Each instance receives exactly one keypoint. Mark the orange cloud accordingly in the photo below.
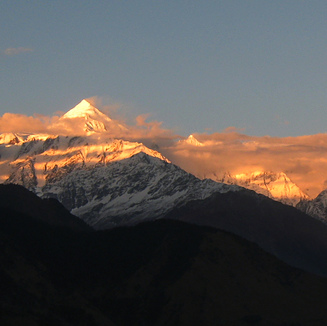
(11, 122)
(303, 159)
(107, 105)
(151, 128)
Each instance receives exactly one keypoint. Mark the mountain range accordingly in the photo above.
(274, 185)
(93, 226)
(50, 165)
(105, 181)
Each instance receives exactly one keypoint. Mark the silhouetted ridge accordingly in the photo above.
(21, 200)
(157, 273)
(279, 229)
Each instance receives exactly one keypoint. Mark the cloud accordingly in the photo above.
(150, 128)
(303, 159)
(233, 129)
(11, 122)
(107, 105)
(14, 51)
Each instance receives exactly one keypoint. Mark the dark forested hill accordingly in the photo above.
(164, 272)
(282, 230)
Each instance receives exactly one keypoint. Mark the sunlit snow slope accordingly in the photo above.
(277, 186)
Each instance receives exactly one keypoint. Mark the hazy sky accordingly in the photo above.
(198, 66)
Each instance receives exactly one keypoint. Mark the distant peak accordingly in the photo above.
(90, 119)
(85, 109)
(193, 141)
(85, 104)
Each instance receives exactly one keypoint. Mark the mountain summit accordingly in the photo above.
(91, 119)
(85, 109)
(193, 141)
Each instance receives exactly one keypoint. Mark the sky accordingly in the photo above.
(196, 66)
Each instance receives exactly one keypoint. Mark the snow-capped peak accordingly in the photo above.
(193, 141)
(92, 118)
(85, 109)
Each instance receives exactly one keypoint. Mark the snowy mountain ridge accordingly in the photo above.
(129, 191)
(40, 159)
(316, 207)
(274, 185)
(84, 110)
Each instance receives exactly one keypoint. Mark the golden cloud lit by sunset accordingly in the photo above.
(302, 158)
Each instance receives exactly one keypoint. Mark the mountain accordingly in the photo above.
(87, 117)
(126, 186)
(192, 141)
(128, 191)
(10, 138)
(50, 211)
(162, 272)
(274, 185)
(108, 181)
(105, 181)
(316, 207)
(39, 159)
(279, 229)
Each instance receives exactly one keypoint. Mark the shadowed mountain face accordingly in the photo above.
(19, 199)
(279, 229)
(157, 273)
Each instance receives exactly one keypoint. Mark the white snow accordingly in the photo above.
(93, 120)
(276, 185)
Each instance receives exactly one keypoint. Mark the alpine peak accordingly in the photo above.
(94, 119)
(193, 141)
(85, 109)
